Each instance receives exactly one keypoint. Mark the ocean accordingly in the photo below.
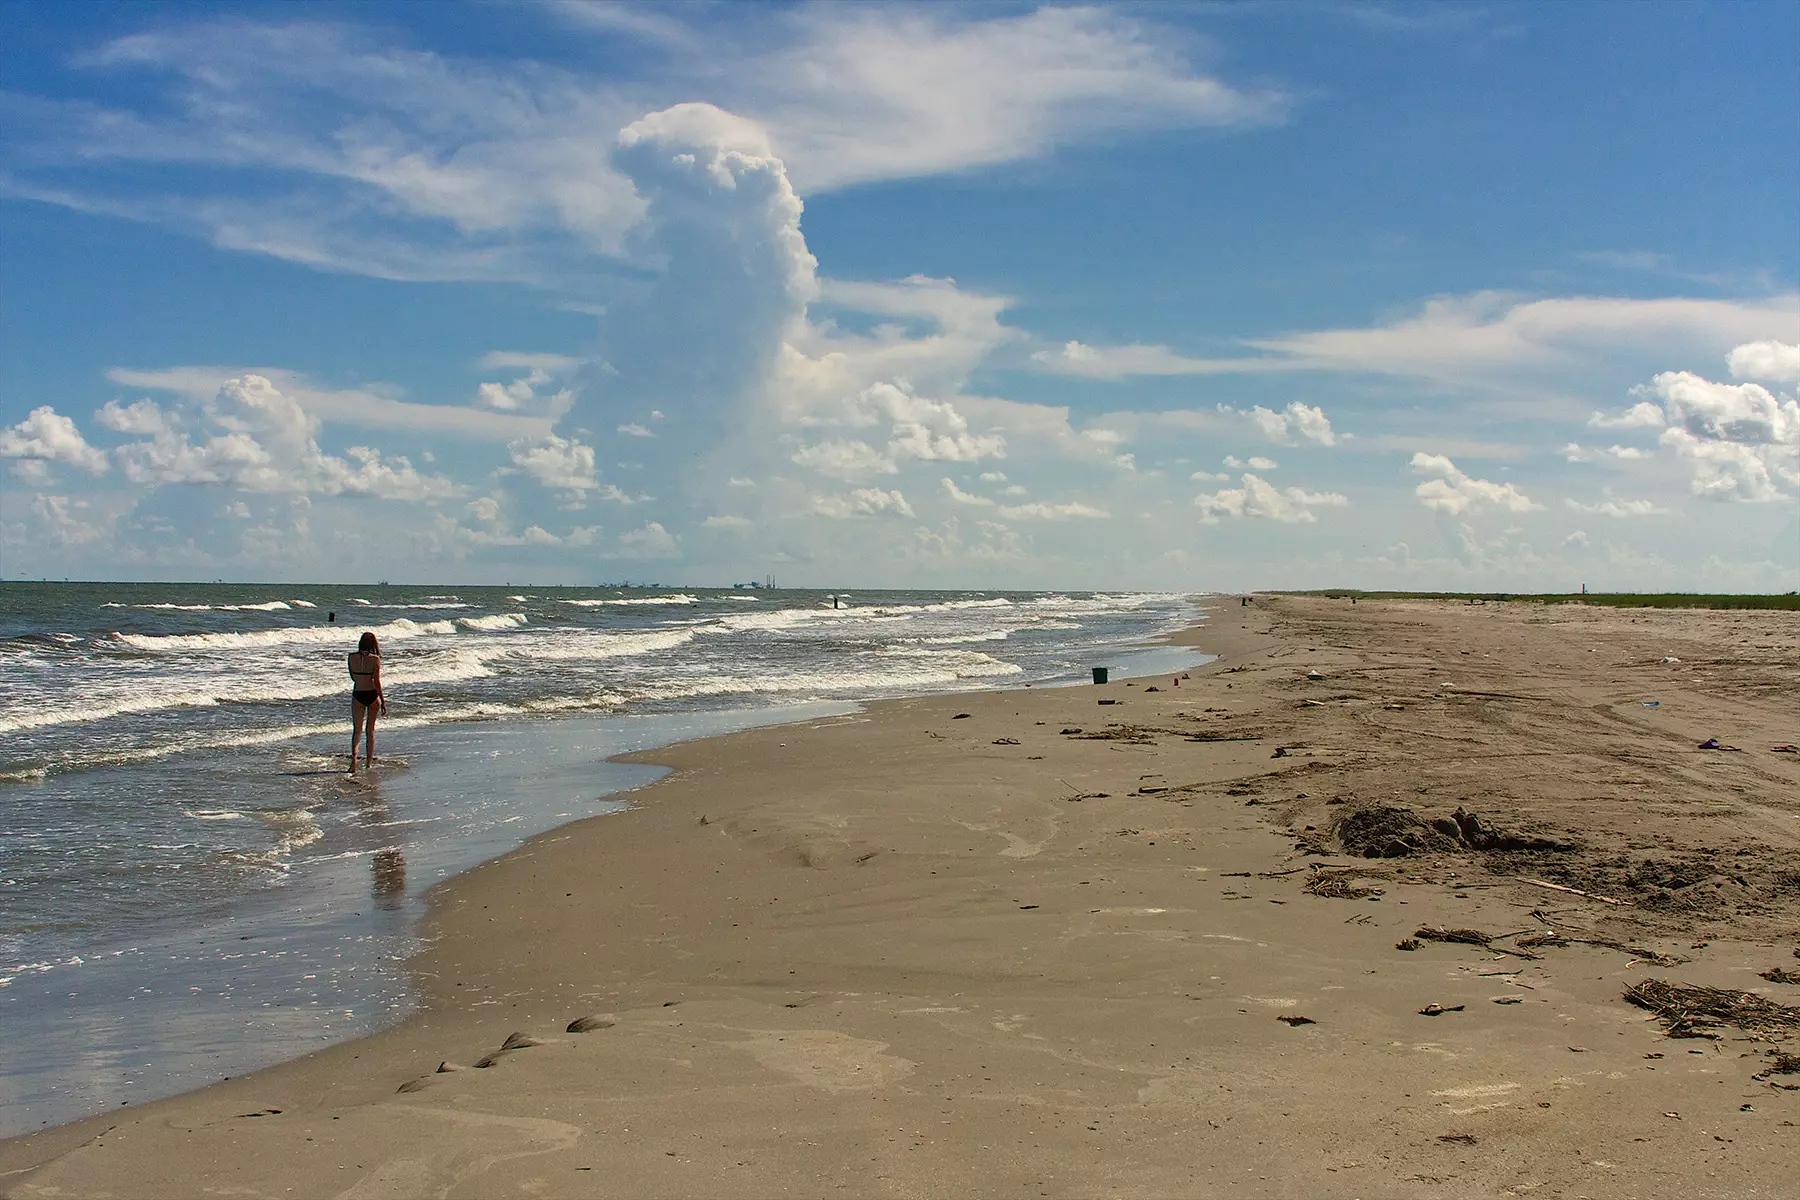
(191, 887)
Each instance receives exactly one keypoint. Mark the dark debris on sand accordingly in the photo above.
(1694, 1012)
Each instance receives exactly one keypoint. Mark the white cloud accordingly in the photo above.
(1478, 337)
(725, 522)
(46, 436)
(557, 462)
(1740, 440)
(1575, 452)
(1619, 508)
(863, 502)
(1730, 470)
(1119, 362)
(394, 161)
(919, 429)
(485, 510)
(1296, 421)
(142, 417)
(1258, 498)
(1642, 415)
(1734, 412)
(1452, 491)
(867, 93)
(1256, 463)
(1071, 510)
(847, 460)
(633, 430)
(1481, 338)
(1210, 476)
(1775, 361)
(60, 517)
(961, 497)
(365, 407)
(267, 443)
(549, 364)
(651, 541)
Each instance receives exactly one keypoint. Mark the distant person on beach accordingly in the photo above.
(366, 699)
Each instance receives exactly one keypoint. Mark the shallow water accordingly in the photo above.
(191, 886)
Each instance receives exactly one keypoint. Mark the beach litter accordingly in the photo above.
(1337, 885)
(1468, 937)
(1784, 1064)
(1780, 975)
(1694, 1012)
(1461, 1139)
(1292, 1020)
(1006, 741)
(1438, 1010)
(1716, 744)
(1787, 750)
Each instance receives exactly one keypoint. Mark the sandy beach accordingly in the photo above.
(1140, 939)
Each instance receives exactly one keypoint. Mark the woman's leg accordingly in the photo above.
(369, 725)
(358, 712)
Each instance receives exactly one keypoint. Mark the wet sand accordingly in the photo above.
(914, 953)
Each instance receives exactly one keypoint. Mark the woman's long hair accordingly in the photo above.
(368, 645)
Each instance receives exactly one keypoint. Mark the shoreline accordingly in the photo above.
(236, 993)
(898, 946)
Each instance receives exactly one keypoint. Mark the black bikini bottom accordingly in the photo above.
(366, 699)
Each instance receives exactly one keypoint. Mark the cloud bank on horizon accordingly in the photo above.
(748, 397)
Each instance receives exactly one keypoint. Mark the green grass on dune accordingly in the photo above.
(1789, 600)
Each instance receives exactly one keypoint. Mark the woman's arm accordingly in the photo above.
(380, 698)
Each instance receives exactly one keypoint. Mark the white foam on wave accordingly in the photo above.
(490, 624)
(992, 635)
(678, 598)
(212, 814)
(781, 618)
(580, 645)
(268, 606)
(433, 606)
(285, 681)
(291, 635)
(883, 672)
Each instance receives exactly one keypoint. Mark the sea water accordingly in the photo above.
(190, 884)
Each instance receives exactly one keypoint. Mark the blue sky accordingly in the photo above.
(1183, 296)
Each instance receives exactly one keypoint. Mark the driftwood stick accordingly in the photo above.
(1561, 887)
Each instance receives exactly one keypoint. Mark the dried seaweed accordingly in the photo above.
(1472, 937)
(1338, 885)
(1780, 975)
(1784, 1064)
(1694, 1012)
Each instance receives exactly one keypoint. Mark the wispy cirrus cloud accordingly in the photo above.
(332, 144)
(1477, 338)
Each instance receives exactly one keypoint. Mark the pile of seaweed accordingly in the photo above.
(1694, 1012)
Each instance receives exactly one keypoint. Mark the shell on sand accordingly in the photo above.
(595, 1021)
(519, 1041)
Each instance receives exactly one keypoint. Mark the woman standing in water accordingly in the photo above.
(366, 699)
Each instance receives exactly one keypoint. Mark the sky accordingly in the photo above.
(1206, 296)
